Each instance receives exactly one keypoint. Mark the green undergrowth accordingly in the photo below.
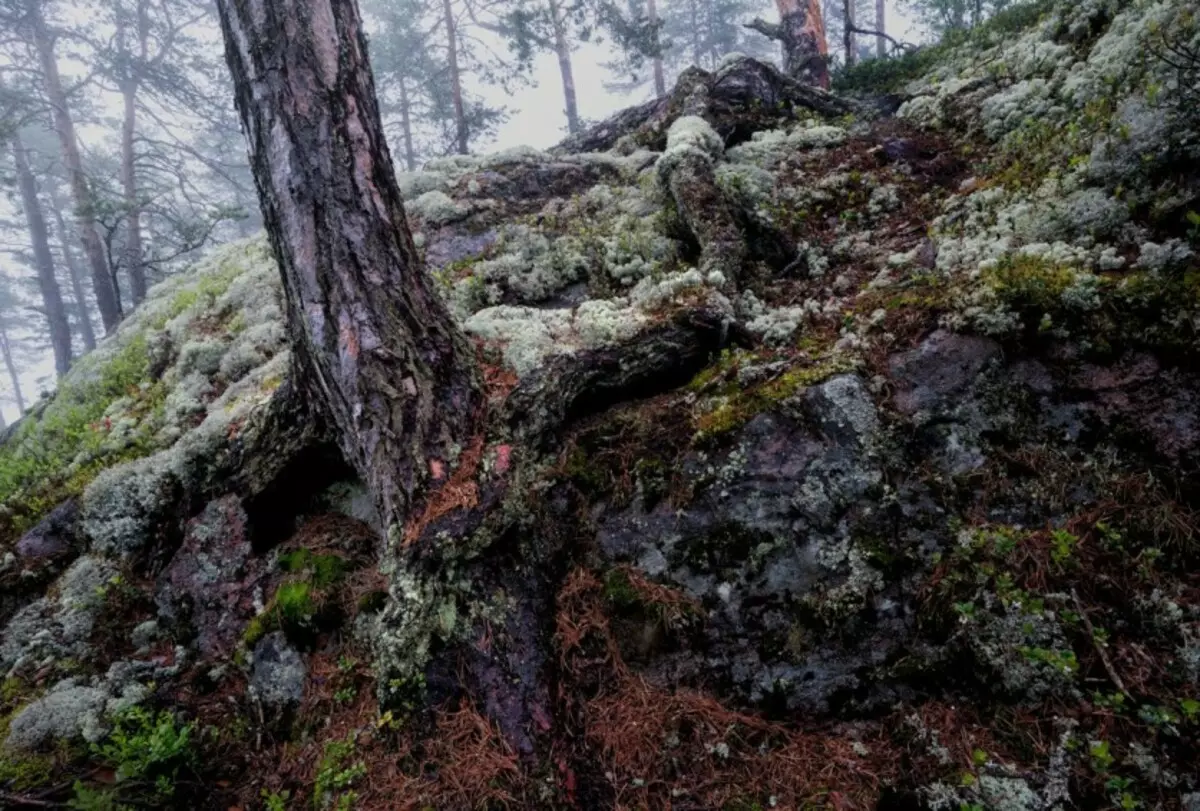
(57, 452)
(147, 752)
(20, 771)
(890, 74)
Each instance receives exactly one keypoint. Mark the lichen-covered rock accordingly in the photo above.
(279, 674)
(210, 584)
(67, 713)
(59, 625)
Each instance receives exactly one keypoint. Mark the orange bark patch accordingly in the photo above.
(461, 492)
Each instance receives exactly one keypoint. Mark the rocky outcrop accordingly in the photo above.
(830, 459)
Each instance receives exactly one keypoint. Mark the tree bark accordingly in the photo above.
(562, 49)
(39, 237)
(410, 155)
(801, 30)
(83, 313)
(133, 206)
(376, 346)
(130, 85)
(11, 366)
(463, 135)
(660, 80)
(85, 219)
(848, 34)
(881, 27)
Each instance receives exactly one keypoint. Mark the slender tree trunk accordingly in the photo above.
(93, 248)
(11, 366)
(881, 27)
(660, 81)
(848, 37)
(133, 205)
(39, 237)
(82, 312)
(376, 346)
(410, 155)
(460, 116)
(562, 49)
(697, 49)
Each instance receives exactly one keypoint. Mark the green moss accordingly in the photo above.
(35, 472)
(323, 571)
(24, 772)
(735, 406)
(295, 602)
(1030, 283)
(618, 590)
(205, 293)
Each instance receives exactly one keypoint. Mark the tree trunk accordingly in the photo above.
(801, 30)
(410, 155)
(52, 303)
(11, 366)
(562, 49)
(696, 47)
(848, 37)
(93, 248)
(660, 81)
(376, 346)
(82, 312)
(460, 117)
(133, 205)
(881, 27)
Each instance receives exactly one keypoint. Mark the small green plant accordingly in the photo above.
(94, 799)
(336, 773)
(1063, 547)
(147, 747)
(273, 801)
(1101, 755)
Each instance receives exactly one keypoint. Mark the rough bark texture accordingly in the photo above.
(375, 344)
(52, 303)
(460, 117)
(85, 221)
(83, 314)
(562, 49)
(729, 98)
(801, 31)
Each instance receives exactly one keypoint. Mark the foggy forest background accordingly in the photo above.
(121, 158)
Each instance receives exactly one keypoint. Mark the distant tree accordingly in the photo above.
(941, 16)
(27, 21)
(422, 77)
(39, 237)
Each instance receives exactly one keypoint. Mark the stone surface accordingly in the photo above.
(209, 585)
(279, 673)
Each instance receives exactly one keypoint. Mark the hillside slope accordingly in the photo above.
(836, 458)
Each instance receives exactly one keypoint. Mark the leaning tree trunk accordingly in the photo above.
(106, 299)
(83, 314)
(462, 132)
(11, 366)
(562, 49)
(801, 31)
(39, 237)
(376, 346)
